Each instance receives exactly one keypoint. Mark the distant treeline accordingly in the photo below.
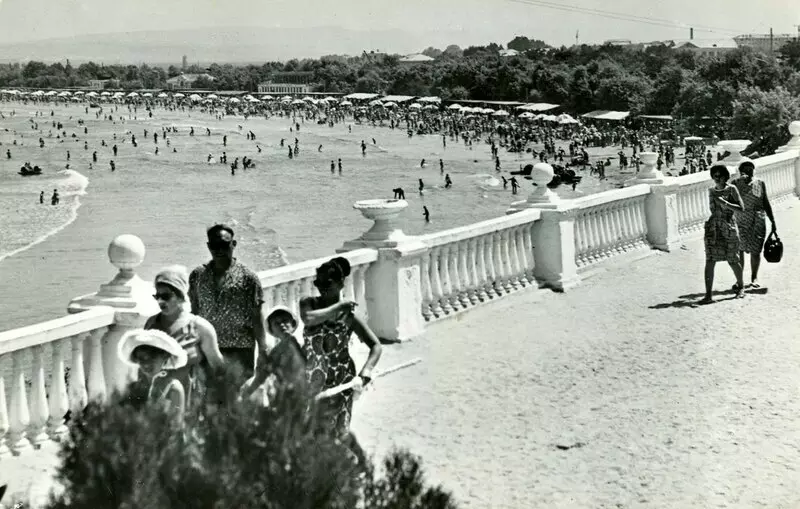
(657, 80)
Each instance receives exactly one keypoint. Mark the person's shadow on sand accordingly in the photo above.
(692, 300)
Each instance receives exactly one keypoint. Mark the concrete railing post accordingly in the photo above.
(393, 285)
(130, 297)
(663, 218)
(794, 144)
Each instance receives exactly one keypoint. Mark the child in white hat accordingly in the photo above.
(158, 357)
(285, 366)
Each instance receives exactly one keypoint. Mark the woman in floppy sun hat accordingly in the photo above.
(159, 359)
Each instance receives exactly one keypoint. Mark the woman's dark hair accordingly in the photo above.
(747, 166)
(720, 168)
(336, 269)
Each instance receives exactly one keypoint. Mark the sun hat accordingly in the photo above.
(280, 310)
(175, 276)
(153, 338)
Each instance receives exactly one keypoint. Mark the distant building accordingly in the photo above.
(101, 84)
(293, 82)
(618, 42)
(416, 59)
(714, 47)
(184, 81)
(508, 52)
(761, 42)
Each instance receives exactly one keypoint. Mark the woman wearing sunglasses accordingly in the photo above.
(329, 322)
(193, 333)
(721, 236)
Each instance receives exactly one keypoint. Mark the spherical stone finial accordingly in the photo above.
(794, 128)
(126, 252)
(542, 174)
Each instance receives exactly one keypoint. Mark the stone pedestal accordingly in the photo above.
(734, 158)
(661, 209)
(393, 286)
(542, 197)
(648, 171)
(130, 296)
(553, 239)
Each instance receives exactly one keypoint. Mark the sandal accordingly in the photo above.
(740, 293)
(705, 300)
(755, 284)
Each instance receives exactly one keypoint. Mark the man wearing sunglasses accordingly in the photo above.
(230, 297)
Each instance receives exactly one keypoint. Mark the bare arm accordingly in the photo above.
(737, 204)
(767, 205)
(175, 398)
(369, 338)
(311, 316)
(193, 301)
(209, 343)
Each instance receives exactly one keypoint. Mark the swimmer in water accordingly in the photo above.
(426, 214)
(422, 163)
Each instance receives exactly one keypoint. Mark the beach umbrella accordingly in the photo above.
(178, 96)
(345, 103)
(487, 111)
(307, 98)
(286, 98)
(526, 114)
(133, 94)
(376, 102)
(415, 106)
(329, 98)
(267, 97)
(195, 97)
(248, 97)
(148, 94)
(454, 107)
(390, 104)
(430, 107)
(91, 94)
(48, 94)
(162, 95)
(298, 101)
(234, 100)
(76, 99)
(212, 96)
(105, 94)
(500, 113)
(550, 118)
(78, 93)
(253, 100)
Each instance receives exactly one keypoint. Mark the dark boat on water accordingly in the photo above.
(27, 171)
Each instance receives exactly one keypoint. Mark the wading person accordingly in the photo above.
(721, 236)
(230, 297)
(750, 221)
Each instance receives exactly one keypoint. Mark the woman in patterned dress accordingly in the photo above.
(721, 236)
(752, 227)
(329, 323)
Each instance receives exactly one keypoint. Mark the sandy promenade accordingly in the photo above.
(616, 394)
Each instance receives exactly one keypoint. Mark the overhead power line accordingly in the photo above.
(625, 17)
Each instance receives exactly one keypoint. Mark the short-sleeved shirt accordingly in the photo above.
(232, 307)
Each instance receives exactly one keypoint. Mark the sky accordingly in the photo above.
(473, 21)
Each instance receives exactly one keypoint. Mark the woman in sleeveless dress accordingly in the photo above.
(195, 335)
(752, 227)
(329, 323)
(721, 236)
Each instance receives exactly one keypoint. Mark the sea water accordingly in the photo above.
(283, 210)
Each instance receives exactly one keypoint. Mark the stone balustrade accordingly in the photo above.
(400, 282)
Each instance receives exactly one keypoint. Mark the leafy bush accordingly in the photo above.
(229, 455)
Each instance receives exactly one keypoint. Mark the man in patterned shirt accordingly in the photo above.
(230, 297)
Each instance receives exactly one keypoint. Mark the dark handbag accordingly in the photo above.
(773, 248)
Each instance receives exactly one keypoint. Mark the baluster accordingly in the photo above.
(639, 222)
(291, 296)
(681, 199)
(59, 402)
(522, 258)
(436, 283)
(497, 255)
(425, 280)
(528, 244)
(608, 230)
(593, 223)
(491, 267)
(307, 286)
(618, 221)
(463, 274)
(4, 418)
(360, 289)
(96, 381)
(480, 243)
(447, 285)
(632, 225)
(581, 239)
(19, 418)
(455, 276)
(78, 395)
(472, 269)
(510, 250)
(39, 412)
(269, 303)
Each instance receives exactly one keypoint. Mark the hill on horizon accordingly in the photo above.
(222, 45)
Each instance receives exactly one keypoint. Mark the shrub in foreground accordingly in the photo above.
(227, 455)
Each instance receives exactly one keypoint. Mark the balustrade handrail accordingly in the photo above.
(300, 270)
(482, 228)
(775, 158)
(609, 196)
(693, 178)
(46, 332)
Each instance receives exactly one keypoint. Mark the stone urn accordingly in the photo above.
(735, 147)
(794, 142)
(385, 231)
(542, 196)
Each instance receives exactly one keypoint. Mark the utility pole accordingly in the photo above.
(771, 42)
(691, 34)
(578, 31)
